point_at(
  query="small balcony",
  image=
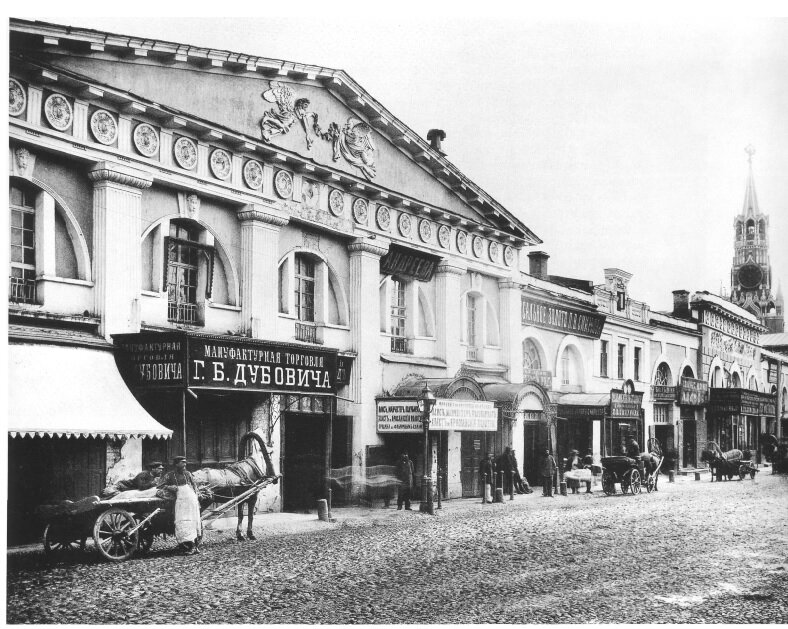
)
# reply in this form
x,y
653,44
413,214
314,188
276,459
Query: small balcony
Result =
x,y
183,313
307,333
22,290
472,354
400,345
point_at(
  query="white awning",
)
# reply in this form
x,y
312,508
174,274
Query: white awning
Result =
x,y
68,391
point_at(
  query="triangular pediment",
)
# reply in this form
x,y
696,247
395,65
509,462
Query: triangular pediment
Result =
x,y
316,118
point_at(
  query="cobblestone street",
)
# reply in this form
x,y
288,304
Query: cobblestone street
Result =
x,y
693,552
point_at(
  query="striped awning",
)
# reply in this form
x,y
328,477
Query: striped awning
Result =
x,y
66,391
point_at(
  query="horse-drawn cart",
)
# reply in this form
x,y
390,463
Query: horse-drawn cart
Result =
x,y
128,522
622,470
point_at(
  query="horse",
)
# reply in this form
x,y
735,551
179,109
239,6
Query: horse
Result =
x,y
721,463
223,485
651,460
775,452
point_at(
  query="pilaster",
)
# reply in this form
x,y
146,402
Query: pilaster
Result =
x,y
260,227
365,381
34,103
511,343
125,131
448,278
117,225
81,123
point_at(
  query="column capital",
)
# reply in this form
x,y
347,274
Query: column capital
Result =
x,y
260,213
378,247
118,173
449,267
509,284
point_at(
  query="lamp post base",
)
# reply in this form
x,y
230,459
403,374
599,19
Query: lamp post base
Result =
x,y
427,505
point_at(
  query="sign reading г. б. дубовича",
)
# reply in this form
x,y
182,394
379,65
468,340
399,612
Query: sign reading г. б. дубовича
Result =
x,y
200,360
546,315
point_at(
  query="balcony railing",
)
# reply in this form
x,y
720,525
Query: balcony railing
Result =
x,y
182,313
22,290
399,345
472,353
306,333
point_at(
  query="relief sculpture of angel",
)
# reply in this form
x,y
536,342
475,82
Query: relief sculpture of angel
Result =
x,y
278,120
354,143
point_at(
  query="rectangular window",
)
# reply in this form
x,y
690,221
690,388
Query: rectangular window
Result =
x,y
398,317
304,288
182,273
621,351
471,311
565,368
603,359
637,364
22,277
621,300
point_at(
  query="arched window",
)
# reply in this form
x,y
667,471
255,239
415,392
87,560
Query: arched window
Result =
x,y
570,368
189,273
663,377
718,378
735,381
739,230
531,359
750,229
753,383
687,372
761,229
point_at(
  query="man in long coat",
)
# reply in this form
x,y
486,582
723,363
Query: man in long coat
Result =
x,y
405,476
548,472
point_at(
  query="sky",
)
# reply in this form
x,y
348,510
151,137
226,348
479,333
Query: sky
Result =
x,y
619,142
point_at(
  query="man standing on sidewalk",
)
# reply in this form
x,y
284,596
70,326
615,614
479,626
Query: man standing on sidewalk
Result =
x,y
405,475
548,471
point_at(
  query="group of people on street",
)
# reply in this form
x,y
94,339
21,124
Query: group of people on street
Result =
x,y
503,472
177,484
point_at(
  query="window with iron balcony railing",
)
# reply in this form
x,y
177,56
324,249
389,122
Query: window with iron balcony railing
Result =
x,y
399,345
306,333
472,353
22,290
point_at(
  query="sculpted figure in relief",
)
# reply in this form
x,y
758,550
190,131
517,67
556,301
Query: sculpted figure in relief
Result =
x,y
277,121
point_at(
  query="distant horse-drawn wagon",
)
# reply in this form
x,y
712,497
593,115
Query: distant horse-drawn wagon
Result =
x,y
728,464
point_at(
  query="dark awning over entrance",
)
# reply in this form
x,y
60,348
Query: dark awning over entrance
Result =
x,y
583,405
161,360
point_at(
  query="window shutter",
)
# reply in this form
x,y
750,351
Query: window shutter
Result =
x,y
209,255
168,246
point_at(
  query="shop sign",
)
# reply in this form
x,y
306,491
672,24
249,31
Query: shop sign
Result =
x,y
693,392
772,373
742,402
663,393
546,315
399,416
532,416
344,367
541,377
197,360
625,405
572,411
448,414
408,263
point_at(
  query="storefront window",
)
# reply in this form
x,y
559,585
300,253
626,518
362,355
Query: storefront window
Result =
x,y
22,280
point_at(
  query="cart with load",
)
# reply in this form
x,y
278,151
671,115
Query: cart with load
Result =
x,y
622,470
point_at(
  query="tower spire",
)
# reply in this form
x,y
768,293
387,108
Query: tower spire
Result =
x,y
750,207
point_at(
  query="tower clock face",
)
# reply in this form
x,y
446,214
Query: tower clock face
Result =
x,y
750,276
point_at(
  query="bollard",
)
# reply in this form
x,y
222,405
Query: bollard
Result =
x,y
562,486
322,510
499,494
697,475
484,489
671,476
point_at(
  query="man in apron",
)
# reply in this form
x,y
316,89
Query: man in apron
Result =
x,y
188,526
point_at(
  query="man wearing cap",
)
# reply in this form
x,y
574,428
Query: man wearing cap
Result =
x,y
548,472
188,526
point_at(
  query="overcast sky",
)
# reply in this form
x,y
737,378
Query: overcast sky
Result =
x,y
620,144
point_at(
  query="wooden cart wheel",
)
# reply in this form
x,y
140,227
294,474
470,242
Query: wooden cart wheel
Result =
x,y
634,482
54,543
111,534
625,482
608,483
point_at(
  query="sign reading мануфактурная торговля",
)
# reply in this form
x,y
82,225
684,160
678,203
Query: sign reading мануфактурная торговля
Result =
x,y
193,360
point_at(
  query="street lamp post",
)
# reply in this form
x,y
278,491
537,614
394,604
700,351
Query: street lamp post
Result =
x,y
426,401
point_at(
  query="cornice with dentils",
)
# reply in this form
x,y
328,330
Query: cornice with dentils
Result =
x,y
338,80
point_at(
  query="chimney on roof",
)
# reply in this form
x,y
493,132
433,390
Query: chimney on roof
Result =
x,y
537,264
436,136
681,304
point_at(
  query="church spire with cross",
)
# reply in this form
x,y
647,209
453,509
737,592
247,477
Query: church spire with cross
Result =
x,y
752,285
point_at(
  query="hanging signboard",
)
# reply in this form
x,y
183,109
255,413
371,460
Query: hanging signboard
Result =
x,y
449,414
542,314
662,393
625,405
224,362
693,392
742,402
408,263
399,415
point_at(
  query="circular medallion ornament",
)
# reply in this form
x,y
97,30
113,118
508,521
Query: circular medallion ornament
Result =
x,y
185,153
478,246
58,112
253,174
283,183
493,251
146,139
221,163
508,256
462,242
750,275
103,126
360,211
404,224
17,99
425,230
383,217
444,235
336,202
